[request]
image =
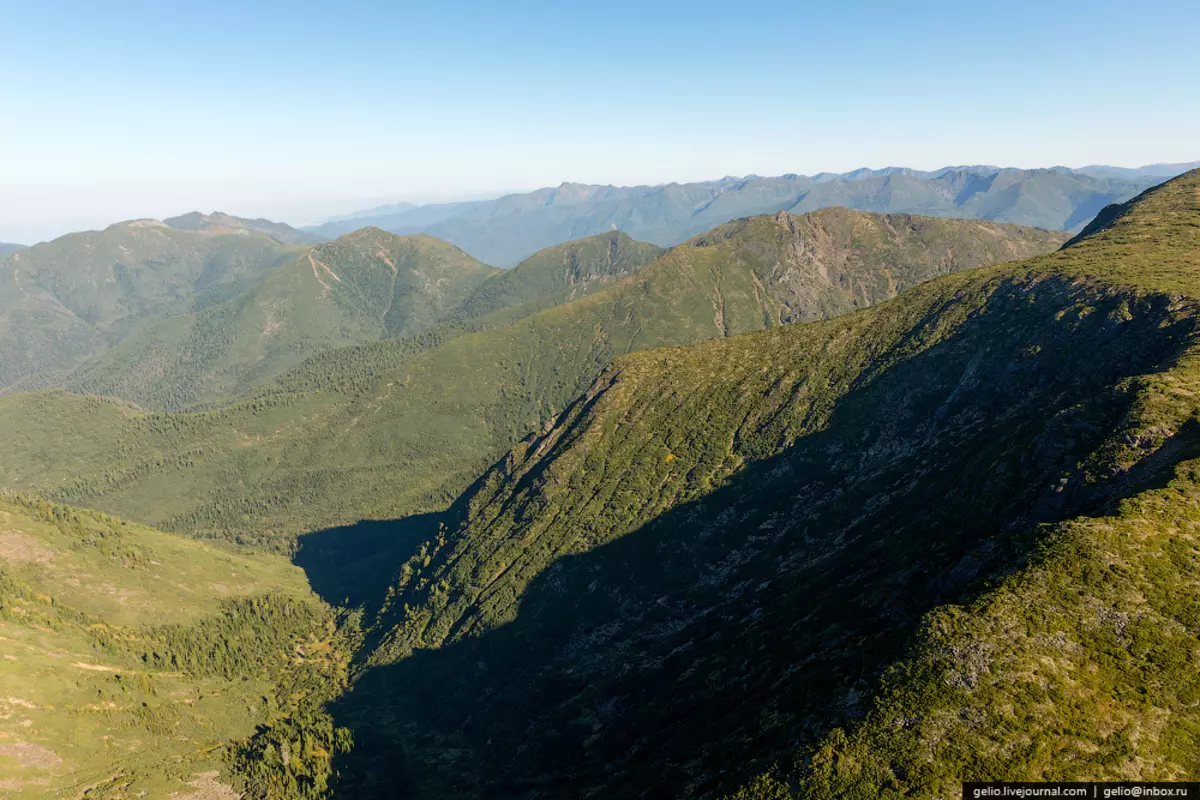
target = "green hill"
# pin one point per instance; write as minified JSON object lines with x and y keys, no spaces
{"x":949,"y":537}
{"x":362,"y":287}
{"x":401,"y":427}
{"x":136,"y":663}
{"x":558,"y":275}
{"x":66,"y":300}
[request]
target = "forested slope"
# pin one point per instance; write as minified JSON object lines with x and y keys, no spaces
{"x":64,"y":301}
{"x":982,"y":490}
{"x":411,"y":424}
{"x":363,"y":287}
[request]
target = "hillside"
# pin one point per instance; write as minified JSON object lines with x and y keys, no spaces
{"x":508,"y":229}
{"x":981,"y":493}
{"x":8,"y":248}
{"x":558,"y":275}
{"x":299,"y":310}
{"x":218,"y":223}
{"x":139,"y":664}
{"x":66,"y":300}
{"x":401,"y":427}
{"x":365,"y":286}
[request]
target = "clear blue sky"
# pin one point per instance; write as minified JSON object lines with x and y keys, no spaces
{"x":299,"y":110}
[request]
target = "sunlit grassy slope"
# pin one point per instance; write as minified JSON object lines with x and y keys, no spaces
{"x":136,"y":663}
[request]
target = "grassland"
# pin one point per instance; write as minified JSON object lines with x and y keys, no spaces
{"x":136,"y":663}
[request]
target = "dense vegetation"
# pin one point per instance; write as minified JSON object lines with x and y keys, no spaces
{"x":941,"y":539}
{"x":66,"y":300}
{"x":360,"y":288}
{"x":401,"y":427}
{"x":236,"y":336}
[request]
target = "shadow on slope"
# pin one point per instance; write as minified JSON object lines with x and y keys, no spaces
{"x":352,"y":566}
{"x":688,"y":654}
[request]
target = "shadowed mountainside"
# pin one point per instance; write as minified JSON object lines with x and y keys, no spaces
{"x":709,"y":561}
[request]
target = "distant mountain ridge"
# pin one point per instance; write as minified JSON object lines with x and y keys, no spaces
{"x":510,"y":228}
{"x":401,"y":218}
{"x":361,"y":288}
{"x":219,"y":223}
{"x":1158,"y":171}
{"x":8,"y":248}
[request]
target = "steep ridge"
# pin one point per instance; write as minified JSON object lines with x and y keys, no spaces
{"x":360,"y":288}
{"x":66,"y":300}
{"x":1084,"y":658}
{"x":407,"y":435}
{"x":706,"y":564}
{"x":137,"y":663}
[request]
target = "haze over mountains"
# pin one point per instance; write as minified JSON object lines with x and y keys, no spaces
{"x":507,"y":229}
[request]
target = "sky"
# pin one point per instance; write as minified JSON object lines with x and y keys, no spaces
{"x":297,"y":110}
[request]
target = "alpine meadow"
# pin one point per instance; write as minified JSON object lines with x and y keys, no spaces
{"x":396,"y":405}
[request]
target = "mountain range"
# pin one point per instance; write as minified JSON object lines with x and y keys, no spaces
{"x":821,"y":506}
{"x":401,"y":425}
{"x":65,"y":301}
{"x":510,"y":228}
{"x":774,"y":512}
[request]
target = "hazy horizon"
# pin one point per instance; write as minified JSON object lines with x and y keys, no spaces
{"x":297,"y":113}
{"x":338,"y":208}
